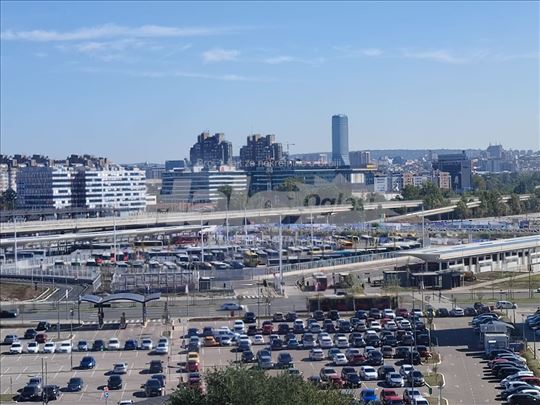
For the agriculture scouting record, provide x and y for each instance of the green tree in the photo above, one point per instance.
(290, 184)
(410, 193)
(227, 191)
(462, 211)
(237, 385)
(8, 199)
(515, 204)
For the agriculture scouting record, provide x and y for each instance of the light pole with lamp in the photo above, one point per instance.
(71, 337)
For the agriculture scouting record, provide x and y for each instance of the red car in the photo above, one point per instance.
(192, 366)
(402, 312)
(41, 338)
(336, 381)
(387, 393)
(268, 329)
(356, 359)
(531, 380)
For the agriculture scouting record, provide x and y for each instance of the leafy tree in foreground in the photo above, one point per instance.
(236, 385)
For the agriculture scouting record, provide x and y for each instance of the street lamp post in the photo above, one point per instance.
(71, 337)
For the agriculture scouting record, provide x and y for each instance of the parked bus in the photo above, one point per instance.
(251, 259)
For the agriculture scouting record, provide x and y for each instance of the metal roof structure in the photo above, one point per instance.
(446, 253)
(141, 299)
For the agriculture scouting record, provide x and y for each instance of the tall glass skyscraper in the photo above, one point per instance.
(340, 140)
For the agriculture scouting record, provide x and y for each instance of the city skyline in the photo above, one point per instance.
(140, 86)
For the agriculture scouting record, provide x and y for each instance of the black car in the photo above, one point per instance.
(283, 329)
(114, 382)
(318, 315)
(98, 345)
(247, 356)
(442, 313)
(249, 317)
(10, 313)
(350, 377)
(333, 314)
(470, 311)
(284, 360)
(30, 334)
(50, 392)
(131, 344)
(252, 330)
(208, 331)
(422, 339)
(402, 352)
(390, 341)
(413, 358)
(524, 399)
(291, 316)
(361, 314)
(277, 344)
(156, 366)
(43, 326)
(75, 384)
(153, 388)
(344, 326)
(161, 378)
(375, 313)
(29, 393)
(375, 358)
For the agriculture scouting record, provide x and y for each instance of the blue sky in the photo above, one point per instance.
(138, 81)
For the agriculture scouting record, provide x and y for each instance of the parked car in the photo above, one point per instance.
(9, 339)
(30, 334)
(82, 346)
(16, 348)
(114, 382)
(30, 393)
(75, 384)
(49, 347)
(32, 347)
(87, 362)
(50, 392)
(152, 388)
(156, 366)
(120, 368)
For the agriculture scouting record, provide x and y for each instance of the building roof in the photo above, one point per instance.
(445, 253)
(96, 299)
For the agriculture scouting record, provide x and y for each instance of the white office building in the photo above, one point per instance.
(115, 188)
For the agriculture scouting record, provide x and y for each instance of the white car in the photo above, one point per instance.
(368, 373)
(326, 342)
(32, 347)
(239, 326)
(65, 347)
(340, 359)
(258, 340)
(162, 348)
(457, 311)
(389, 313)
(342, 342)
(405, 369)
(514, 384)
(245, 339)
(231, 306)
(163, 339)
(16, 348)
(114, 344)
(394, 380)
(120, 368)
(125, 402)
(505, 305)
(405, 324)
(147, 344)
(516, 376)
(417, 312)
(375, 325)
(316, 354)
(390, 325)
(49, 347)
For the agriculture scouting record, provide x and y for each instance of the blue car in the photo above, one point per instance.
(368, 395)
(87, 362)
(192, 332)
(293, 344)
(131, 344)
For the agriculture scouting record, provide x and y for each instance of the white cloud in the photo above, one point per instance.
(220, 55)
(276, 60)
(114, 31)
(439, 55)
(359, 52)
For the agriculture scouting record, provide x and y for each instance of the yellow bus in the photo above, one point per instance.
(251, 259)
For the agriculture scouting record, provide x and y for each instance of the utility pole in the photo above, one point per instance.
(280, 257)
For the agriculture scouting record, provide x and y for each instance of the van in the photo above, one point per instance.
(505, 305)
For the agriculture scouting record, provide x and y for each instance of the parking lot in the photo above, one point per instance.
(18, 368)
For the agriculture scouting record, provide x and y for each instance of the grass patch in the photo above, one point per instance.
(434, 359)
(492, 275)
(532, 363)
(6, 398)
(19, 292)
(434, 379)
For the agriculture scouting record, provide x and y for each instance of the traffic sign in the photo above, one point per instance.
(106, 395)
